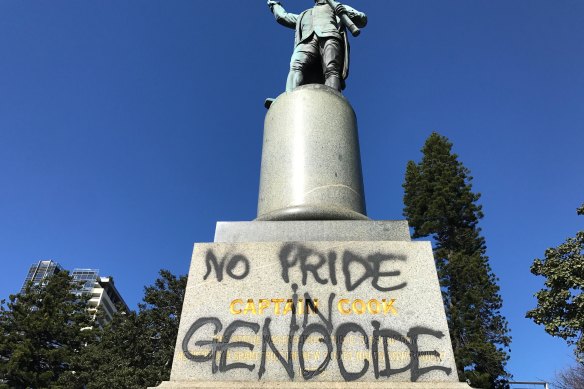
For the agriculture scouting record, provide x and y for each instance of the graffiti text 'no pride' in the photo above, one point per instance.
(308, 264)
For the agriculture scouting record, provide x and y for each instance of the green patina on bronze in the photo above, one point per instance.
(321, 47)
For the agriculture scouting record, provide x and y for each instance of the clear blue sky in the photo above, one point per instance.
(128, 128)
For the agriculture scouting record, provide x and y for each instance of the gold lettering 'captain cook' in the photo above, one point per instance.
(309, 306)
(373, 306)
(279, 306)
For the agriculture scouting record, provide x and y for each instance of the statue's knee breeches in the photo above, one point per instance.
(332, 57)
(304, 55)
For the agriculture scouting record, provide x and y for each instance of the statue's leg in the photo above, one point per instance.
(331, 50)
(304, 54)
(294, 79)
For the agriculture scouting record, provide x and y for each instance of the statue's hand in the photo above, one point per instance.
(272, 3)
(340, 9)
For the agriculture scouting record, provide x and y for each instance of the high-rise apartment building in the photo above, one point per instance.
(39, 272)
(101, 291)
(85, 278)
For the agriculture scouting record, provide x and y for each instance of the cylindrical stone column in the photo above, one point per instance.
(311, 166)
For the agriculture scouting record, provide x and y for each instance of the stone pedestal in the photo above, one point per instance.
(313, 385)
(272, 305)
(313, 294)
(315, 231)
(311, 167)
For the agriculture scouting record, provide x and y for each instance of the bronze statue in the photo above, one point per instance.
(321, 47)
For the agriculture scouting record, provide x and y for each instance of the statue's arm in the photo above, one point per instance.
(359, 18)
(284, 18)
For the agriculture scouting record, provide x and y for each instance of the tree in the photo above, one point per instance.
(560, 305)
(571, 378)
(121, 357)
(161, 309)
(136, 349)
(439, 202)
(43, 332)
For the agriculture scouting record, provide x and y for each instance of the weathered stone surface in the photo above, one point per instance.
(313, 385)
(311, 166)
(312, 230)
(350, 280)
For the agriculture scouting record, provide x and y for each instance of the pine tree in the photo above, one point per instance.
(121, 357)
(43, 332)
(136, 348)
(439, 203)
(560, 306)
(161, 312)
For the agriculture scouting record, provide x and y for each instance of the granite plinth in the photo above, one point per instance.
(312, 230)
(313, 385)
(311, 165)
(249, 317)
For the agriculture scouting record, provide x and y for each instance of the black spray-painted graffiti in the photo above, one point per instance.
(303, 265)
(232, 262)
(321, 266)
(296, 255)
(329, 336)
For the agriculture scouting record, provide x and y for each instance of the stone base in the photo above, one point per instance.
(313, 385)
(312, 231)
(249, 315)
(247, 322)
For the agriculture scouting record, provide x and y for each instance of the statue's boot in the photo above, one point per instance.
(268, 102)
(334, 82)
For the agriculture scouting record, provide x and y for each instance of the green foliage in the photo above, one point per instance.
(136, 349)
(439, 198)
(161, 312)
(48, 340)
(121, 357)
(439, 202)
(560, 305)
(44, 330)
